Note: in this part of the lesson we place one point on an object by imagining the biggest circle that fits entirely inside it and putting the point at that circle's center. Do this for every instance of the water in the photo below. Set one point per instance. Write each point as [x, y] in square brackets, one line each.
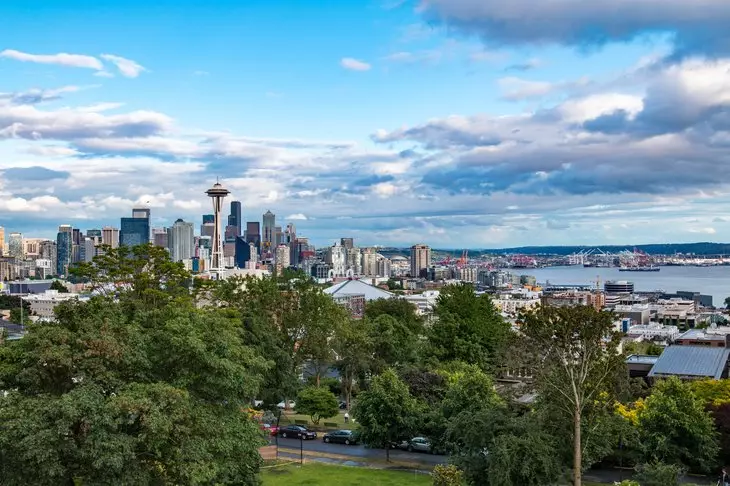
[714, 281]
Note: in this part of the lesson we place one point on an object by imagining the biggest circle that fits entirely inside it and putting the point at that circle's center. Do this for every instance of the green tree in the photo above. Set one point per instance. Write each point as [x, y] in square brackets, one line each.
[386, 412]
[727, 302]
[691, 439]
[524, 458]
[393, 343]
[58, 286]
[137, 387]
[402, 310]
[658, 474]
[575, 361]
[353, 346]
[468, 328]
[318, 403]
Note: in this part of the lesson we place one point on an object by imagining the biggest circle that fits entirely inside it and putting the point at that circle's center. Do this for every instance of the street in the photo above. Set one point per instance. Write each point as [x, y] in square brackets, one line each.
[360, 451]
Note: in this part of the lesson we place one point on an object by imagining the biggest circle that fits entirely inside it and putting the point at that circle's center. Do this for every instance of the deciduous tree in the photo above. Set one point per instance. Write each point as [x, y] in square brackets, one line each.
[318, 403]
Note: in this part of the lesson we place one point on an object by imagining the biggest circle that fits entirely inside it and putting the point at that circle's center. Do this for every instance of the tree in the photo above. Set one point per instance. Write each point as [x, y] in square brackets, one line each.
[402, 310]
[354, 349]
[468, 328]
[727, 302]
[691, 439]
[386, 412]
[141, 388]
[575, 359]
[658, 474]
[318, 403]
[524, 458]
[58, 286]
[393, 343]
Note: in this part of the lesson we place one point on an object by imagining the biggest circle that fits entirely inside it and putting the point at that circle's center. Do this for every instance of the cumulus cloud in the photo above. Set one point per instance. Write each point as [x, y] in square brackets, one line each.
[127, 67]
[296, 217]
[698, 26]
[352, 64]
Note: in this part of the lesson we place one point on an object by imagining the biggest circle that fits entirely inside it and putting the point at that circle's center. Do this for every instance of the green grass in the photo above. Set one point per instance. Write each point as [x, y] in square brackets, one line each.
[327, 475]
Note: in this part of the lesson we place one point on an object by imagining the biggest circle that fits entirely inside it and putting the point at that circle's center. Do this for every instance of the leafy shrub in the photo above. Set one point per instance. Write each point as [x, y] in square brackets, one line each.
[659, 474]
[447, 475]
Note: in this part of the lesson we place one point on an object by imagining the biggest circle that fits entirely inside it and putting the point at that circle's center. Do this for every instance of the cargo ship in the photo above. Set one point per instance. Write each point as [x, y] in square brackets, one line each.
[639, 269]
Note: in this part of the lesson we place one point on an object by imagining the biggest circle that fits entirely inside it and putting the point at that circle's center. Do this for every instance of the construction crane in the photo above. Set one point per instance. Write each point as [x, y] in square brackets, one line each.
[464, 258]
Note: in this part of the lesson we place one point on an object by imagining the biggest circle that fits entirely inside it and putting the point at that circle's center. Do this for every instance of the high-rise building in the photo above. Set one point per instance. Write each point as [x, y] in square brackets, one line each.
[135, 230]
[180, 239]
[243, 251]
[87, 250]
[208, 218]
[369, 262]
[234, 219]
[230, 234]
[142, 213]
[336, 258]
[94, 233]
[110, 236]
[420, 259]
[31, 248]
[160, 237]
[207, 229]
[348, 243]
[253, 233]
[2, 241]
[15, 246]
[64, 249]
[269, 228]
[354, 260]
[47, 251]
[384, 268]
[281, 257]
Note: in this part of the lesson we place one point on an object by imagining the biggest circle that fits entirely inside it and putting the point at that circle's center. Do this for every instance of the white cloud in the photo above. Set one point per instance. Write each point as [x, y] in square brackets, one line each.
[189, 205]
[127, 67]
[354, 64]
[296, 217]
[61, 59]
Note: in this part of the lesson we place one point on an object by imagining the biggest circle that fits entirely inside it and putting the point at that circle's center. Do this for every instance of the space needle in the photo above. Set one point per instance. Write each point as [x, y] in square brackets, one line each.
[217, 193]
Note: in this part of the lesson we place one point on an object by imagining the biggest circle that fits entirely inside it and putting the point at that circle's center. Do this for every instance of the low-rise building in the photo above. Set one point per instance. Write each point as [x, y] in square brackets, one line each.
[692, 363]
[424, 302]
[595, 299]
[653, 332]
[705, 337]
[43, 305]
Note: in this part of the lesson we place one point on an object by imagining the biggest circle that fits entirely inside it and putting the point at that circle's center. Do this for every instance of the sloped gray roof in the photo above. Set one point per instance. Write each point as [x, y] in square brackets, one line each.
[691, 361]
[358, 287]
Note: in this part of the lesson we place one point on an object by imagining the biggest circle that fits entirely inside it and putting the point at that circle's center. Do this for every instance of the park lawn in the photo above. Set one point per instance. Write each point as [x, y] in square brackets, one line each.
[329, 475]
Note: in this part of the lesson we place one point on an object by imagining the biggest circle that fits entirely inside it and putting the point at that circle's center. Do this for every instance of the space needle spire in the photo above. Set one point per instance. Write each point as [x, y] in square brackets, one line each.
[217, 193]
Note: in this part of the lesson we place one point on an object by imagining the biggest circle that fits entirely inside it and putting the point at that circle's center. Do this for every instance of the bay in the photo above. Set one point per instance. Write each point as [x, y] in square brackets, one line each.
[714, 281]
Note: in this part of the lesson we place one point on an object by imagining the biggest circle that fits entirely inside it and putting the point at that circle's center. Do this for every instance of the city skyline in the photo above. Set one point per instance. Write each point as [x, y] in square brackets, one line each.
[590, 129]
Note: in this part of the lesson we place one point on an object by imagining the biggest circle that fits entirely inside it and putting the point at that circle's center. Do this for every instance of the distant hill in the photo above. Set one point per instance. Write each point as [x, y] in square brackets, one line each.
[703, 248]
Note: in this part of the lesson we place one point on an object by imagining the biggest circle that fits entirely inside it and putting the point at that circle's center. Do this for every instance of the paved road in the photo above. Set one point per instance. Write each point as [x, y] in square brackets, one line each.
[360, 452]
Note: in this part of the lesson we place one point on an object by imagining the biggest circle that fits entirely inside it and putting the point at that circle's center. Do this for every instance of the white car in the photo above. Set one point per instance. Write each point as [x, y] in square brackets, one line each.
[290, 403]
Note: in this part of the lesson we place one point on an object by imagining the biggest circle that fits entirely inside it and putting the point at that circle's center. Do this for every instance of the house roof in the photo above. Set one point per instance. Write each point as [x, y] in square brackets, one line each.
[691, 361]
[358, 287]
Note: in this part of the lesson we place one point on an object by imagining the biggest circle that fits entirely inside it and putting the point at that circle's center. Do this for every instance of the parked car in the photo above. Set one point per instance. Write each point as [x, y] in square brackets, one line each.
[346, 437]
[269, 429]
[297, 432]
[283, 405]
[417, 444]
[343, 405]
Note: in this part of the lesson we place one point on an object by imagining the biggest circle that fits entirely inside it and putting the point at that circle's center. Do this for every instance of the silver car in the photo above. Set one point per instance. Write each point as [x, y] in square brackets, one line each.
[418, 444]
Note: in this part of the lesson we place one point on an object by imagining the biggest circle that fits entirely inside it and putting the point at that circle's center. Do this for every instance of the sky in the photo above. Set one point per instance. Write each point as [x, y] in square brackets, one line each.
[456, 123]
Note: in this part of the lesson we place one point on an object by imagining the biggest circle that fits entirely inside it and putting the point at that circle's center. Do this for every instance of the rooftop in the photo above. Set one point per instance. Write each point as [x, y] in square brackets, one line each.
[642, 359]
[691, 362]
[357, 287]
[702, 335]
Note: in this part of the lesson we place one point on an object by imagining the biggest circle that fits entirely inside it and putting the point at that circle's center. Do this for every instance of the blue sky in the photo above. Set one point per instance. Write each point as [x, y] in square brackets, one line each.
[451, 122]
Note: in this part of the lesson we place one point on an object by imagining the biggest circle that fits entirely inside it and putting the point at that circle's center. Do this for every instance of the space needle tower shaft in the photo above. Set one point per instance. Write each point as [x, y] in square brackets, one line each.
[217, 193]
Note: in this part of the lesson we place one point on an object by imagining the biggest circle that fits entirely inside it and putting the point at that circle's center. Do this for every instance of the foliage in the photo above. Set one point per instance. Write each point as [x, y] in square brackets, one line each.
[353, 347]
[469, 328]
[393, 343]
[143, 390]
[659, 474]
[727, 302]
[400, 309]
[425, 385]
[626, 482]
[631, 411]
[721, 416]
[58, 286]
[575, 363]
[330, 383]
[318, 403]
[675, 428]
[8, 302]
[447, 475]
[525, 459]
[712, 392]
[386, 412]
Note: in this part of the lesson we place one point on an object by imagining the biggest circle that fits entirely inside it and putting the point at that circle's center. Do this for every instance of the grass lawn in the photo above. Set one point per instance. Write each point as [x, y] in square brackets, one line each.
[326, 475]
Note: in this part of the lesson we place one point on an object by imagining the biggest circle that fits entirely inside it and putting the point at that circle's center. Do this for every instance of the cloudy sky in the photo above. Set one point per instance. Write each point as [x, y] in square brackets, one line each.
[458, 123]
